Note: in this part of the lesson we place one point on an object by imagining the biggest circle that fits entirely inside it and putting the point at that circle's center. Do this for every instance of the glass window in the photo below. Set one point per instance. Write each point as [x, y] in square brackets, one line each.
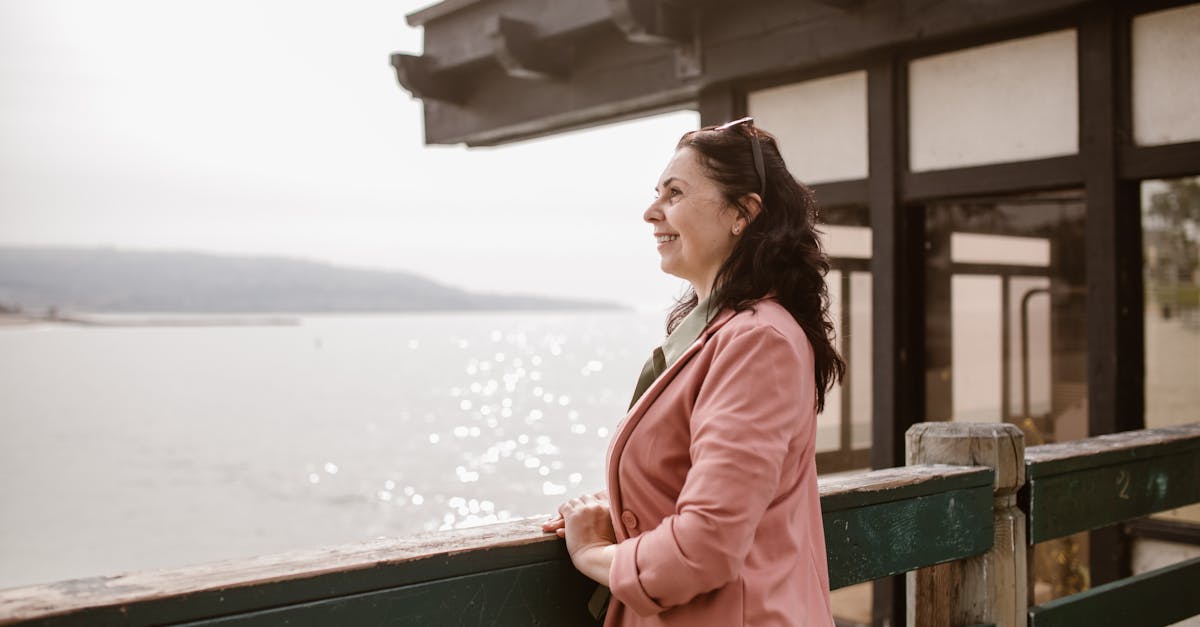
[1005, 298]
[1166, 94]
[1006, 333]
[821, 123]
[1171, 275]
[1007, 101]
[844, 428]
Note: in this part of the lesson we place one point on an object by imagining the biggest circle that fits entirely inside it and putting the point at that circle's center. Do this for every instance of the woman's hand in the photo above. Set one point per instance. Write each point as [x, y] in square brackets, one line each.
[587, 525]
[556, 524]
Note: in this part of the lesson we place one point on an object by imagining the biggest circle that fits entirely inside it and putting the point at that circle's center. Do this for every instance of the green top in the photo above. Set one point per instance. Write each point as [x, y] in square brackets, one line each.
[687, 332]
[676, 345]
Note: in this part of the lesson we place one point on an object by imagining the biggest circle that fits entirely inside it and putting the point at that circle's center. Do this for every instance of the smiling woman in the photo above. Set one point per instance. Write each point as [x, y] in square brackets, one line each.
[711, 516]
[692, 222]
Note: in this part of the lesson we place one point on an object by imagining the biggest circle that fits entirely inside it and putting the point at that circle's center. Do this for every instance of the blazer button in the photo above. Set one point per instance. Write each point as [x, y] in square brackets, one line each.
[629, 519]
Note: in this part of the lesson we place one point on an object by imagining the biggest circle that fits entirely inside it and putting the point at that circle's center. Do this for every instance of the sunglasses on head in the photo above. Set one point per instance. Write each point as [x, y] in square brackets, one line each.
[758, 157]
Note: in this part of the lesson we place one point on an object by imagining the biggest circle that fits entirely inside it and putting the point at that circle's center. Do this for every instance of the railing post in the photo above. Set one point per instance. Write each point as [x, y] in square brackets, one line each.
[987, 588]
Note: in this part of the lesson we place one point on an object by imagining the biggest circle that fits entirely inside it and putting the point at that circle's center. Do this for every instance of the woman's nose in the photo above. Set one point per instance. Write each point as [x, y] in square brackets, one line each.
[652, 213]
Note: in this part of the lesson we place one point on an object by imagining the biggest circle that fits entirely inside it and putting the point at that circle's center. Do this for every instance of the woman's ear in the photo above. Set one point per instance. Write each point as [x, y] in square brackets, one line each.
[752, 203]
[748, 207]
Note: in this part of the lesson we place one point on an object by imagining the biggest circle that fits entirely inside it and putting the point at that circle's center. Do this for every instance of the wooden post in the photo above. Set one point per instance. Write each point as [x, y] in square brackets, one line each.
[987, 588]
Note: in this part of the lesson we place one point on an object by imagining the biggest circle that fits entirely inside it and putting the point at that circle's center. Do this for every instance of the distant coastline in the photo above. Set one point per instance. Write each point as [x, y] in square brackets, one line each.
[20, 319]
[14, 319]
[54, 284]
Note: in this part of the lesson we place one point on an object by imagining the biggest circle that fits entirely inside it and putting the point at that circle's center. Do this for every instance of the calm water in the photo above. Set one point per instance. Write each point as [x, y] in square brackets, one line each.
[142, 447]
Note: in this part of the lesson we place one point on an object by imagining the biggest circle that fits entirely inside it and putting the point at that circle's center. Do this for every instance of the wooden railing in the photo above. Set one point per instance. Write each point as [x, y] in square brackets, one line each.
[1087, 484]
[949, 519]
[1048, 492]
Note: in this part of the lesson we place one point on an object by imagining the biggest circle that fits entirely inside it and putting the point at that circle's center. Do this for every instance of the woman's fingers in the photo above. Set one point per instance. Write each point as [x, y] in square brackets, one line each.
[572, 507]
[564, 511]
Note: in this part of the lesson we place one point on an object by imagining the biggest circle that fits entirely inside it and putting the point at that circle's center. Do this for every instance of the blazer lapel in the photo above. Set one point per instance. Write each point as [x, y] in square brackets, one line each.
[638, 410]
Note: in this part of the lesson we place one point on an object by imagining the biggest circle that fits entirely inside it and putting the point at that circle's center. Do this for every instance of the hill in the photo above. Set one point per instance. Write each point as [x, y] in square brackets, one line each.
[112, 280]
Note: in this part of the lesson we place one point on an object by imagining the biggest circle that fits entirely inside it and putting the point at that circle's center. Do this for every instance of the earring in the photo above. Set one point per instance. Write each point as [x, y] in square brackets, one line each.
[737, 229]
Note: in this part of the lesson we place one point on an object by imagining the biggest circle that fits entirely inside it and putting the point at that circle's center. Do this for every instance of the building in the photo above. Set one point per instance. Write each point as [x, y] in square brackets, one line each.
[1009, 188]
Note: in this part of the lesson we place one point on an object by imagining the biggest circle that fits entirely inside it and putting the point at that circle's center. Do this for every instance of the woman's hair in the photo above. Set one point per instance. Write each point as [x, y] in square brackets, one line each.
[778, 252]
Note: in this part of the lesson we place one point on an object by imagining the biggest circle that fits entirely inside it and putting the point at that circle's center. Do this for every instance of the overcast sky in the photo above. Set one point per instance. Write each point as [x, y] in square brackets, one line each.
[277, 128]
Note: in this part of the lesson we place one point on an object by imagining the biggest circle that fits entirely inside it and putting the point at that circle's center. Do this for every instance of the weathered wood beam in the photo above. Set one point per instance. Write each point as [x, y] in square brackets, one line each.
[989, 588]
[414, 75]
[503, 109]
[652, 21]
[612, 78]
[844, 5]
[522, 55]
[1087, 484]
[1115, 448]
[459, 40]
[245, 585]
[872, 533]
[875, 523]
[1079, 501]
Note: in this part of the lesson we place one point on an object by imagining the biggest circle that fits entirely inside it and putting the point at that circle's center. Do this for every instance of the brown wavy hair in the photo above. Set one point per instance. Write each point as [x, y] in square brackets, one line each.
[779, 252]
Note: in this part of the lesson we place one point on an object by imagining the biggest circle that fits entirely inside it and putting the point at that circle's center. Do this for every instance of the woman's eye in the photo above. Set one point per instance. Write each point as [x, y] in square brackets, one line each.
[670, 193]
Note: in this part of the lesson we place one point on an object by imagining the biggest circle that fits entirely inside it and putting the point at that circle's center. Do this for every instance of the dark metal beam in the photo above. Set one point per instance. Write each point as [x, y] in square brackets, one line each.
[841, 194]
[1148, 162]
[1115, 344]
[897, 295]
[720, 104]
[1017, 176]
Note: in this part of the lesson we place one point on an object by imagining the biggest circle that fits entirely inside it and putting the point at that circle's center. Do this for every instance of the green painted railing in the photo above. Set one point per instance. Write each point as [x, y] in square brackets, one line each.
[1050, 491]
[876, 524]
[1088, 484]
[949, 525]
[891, 521]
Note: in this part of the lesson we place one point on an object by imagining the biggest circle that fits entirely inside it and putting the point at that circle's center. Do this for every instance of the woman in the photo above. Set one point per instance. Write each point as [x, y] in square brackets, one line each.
[714, 517]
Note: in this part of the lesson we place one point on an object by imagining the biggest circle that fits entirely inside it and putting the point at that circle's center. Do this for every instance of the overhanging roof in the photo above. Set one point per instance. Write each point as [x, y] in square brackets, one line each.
[497, 71]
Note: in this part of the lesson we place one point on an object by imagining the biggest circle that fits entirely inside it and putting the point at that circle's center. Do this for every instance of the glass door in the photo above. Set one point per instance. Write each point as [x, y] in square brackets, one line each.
[1005, 299]
[1006, 332]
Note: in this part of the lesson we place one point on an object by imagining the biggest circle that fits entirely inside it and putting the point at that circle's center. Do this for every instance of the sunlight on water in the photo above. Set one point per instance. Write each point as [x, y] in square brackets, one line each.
[221, 442]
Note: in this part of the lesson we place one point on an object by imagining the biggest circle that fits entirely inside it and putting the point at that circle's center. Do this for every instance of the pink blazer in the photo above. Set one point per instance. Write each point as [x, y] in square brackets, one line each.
[713, 486]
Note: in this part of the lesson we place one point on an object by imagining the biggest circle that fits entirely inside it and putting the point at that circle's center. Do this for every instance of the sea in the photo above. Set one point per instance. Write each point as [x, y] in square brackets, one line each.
[131, 447]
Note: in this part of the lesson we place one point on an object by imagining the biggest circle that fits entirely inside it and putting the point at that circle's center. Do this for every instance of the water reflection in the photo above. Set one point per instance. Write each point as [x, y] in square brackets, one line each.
[519, 420]
[362, 426]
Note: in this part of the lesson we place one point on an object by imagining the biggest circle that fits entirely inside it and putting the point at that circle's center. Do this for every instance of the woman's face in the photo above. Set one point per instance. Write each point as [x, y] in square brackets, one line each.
[693, 224]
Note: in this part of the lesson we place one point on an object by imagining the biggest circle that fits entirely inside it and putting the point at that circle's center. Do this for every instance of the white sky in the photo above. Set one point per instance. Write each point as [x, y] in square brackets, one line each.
[277, 127]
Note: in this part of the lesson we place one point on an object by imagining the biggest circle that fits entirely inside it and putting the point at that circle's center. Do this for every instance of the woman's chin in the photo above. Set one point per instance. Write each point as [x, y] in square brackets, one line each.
[671, 270]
